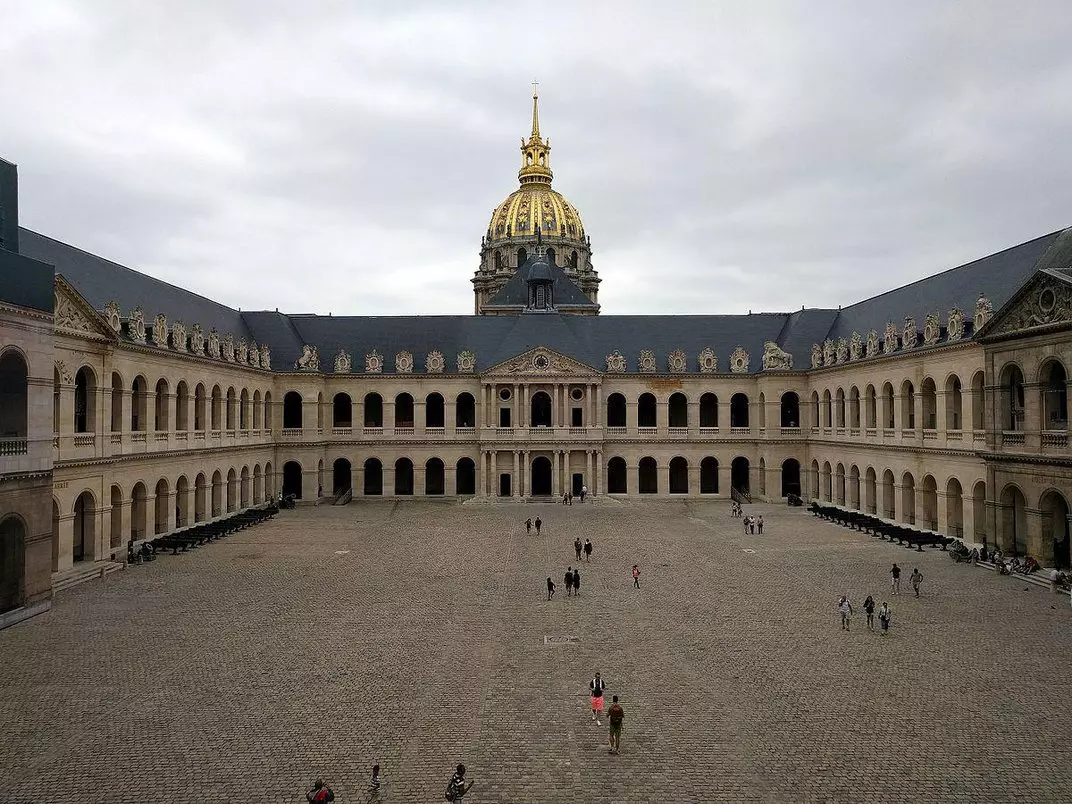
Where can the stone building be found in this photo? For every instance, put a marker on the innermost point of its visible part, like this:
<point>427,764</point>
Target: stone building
<point>943,403</point>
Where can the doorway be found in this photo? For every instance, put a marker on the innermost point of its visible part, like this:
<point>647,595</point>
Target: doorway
<point>504,485</point>
<point>541,477</point>
<point>578,483</point>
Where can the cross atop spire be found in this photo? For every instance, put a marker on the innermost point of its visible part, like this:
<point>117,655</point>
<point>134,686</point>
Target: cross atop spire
<point>535,108</point>
<point>535,167</point>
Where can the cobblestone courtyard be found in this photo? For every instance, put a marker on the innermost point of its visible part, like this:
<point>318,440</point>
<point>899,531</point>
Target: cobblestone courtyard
<point>414,634</point>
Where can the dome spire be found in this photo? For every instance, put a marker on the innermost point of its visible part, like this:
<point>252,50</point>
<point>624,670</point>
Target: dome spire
<point>535,152</point>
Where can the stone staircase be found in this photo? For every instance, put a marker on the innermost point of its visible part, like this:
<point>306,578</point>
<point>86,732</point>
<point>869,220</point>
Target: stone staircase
<point>82,573</point>
<point>343,497</point>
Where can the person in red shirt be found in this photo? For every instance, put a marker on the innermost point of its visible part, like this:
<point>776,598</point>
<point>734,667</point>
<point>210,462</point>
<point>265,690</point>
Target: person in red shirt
<point>320,793</point>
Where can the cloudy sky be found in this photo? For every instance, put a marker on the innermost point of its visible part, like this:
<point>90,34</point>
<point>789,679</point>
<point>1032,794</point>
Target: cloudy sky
<point>725,156</point>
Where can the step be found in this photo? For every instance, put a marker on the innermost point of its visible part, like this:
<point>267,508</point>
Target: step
<point>83,573</point>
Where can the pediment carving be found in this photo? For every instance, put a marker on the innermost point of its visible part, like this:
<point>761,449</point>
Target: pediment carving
<point>708,361</point>
<point>932,329</point>
<point>677,362</point>
<point>373,362</point>
<point>910,336</point>
<point>829,352</point>
<point>541,362</point>
<point>254,355</point>
<point>72,313</point>
<point>984,311</point>
<point>404,362</point>
<point>739,361</point>
<point>1049,302</point>
<point>227,348</point>
<point>646,362</point>
<point>197,340</point>
<point>842,350</point>
<point>136,325</point>
<point>616,362</point>
<point>466,361</point>
<point>242,352</point>
<point>434,363</point>
<point>342,362</point>
<point>266,357</point>
<point>775,358</point>
<point>178,336</point>
<point>214,344</point>
<point>111,315</point>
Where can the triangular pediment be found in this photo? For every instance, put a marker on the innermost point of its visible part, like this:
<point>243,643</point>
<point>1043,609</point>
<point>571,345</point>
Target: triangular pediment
<point>541,362</point>
<point>75,316</point>
<point>1043,303</point>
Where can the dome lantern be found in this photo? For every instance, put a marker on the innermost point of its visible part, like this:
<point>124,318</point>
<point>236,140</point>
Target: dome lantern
<point>536,152</point>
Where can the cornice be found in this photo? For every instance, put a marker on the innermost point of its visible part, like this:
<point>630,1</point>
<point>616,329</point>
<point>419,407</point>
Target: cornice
<point>899,354</point>
<point>25,312</point>
<point>1018,457</point>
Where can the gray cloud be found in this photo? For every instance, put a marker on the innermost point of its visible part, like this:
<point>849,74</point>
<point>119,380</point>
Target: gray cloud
<point>346,157</point>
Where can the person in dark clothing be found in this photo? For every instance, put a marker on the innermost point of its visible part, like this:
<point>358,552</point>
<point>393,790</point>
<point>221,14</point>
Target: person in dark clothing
<point>320,793</point>
<point>528,526</point>
<point>550,589</point>
<point>869,609</point>
<point>759,524</point>
<point>577,582</point>
<point>577,547</point>
<point>539,522</point>
<point>569,497</point>
<point>456,787</point>
<point>587,550</point>
<point>567,579</point>
<point>636,577</point>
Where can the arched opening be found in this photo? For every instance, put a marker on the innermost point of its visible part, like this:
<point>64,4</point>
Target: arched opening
<point>828,410</point>
<point>889,508</point>
<point>870,491</point>
<point>373,477</point>
<point>403,410</point>
<point>813,481</point>
<point>341,476</point>
<point>434,411</point>
<point>243,410</point>
<point>522,254</point>
<point>435,481</point>
<point>320,478</point>
<point>465,410</point>
<point>232,490</point>
<point>647,415</point>
<point>854,407</point>
<point>978,401</point>
<point>816,410</point>
<point>85,517</point>
<point>541,476</point>
<point>373,410</point>
<point>1012,398</point>
<point>139,404</point>
<point>615,410</point>
<point>908,405</point>
<point>404,477</point>
<point>1054,511</point>
<point>679,476</point>
<point>465,477</point>
<point>839,409</point>
<point>839,484</point>
<point>182,407</point>
<point>871,407</point>
<point>14,410</point>
<point>200,498</point>
<point>292,412</point>
<point>888,408</point>
<point>160,411</point>
<point>117,403</point>
<point>258,484</point>
<point>12,560</point>
<point>852,491</point>
<point>1053,386</point>
<point>979,510</point>
<point>738,410</point>
<point>928,499</point>
<point>182,502</point>
<point>790,477</point>
<point>85,400</point>
<point>540,410</point>
<point>232,409</point>
<point>709,475</point>
<point>342,410</point>
<point>269,482</point>
<point>740,472</point>
<point>678,410</point>
<point>217,494</point>
<point>139,512</point>
<point>828,482</point>
<point>115,538</point>
<point>617,476</point>
<point>216,418</point>
<point>258,410</point>
<point>292,479</point>
<point>1013,520</point>
<point>708,410</point>
<point>648,476</point>
<point>244,488</point>
<point>929,401</point>
<point>161,504</point>
<point>954,508</point>
<point>199,408</point>
<point>790,413</point>
<point>908,498</point>
<point>954,403</point>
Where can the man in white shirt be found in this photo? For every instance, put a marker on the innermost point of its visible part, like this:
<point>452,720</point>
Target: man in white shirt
<point>845,610</point>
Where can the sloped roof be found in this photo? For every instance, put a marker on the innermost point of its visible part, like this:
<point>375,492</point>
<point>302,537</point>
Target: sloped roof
<point>516,292</point>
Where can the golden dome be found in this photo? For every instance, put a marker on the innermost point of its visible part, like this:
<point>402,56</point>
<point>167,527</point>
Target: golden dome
<point>535,208</point>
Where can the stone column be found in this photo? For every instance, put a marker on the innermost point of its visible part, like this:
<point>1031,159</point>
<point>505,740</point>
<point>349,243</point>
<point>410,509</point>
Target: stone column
<point>631,416</point>
<point>632,479</point>
<point>694,414</point>
<point>555,489</point>
<point>662,417</point>
<point>494,473</point>
<point>388,476</point>
<point>420,416</point>
<point>663,474</point>
<point>694,479</point>
<point>523,479</point>
<point>1033,423</point>
<point>450,417</point>
<point>515,483</point>
<point>519,412</point>
<point>63,547</point>
<point>724,412</point>
<point>389,415</point>
<point>482,474</point>
<point>597,417</point>
<point>420,476</point>
<point>589,481</point>
<point>599,485</point>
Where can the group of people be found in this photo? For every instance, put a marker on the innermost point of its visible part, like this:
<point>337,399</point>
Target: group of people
<point>567,496</point>
<point>615,714</point>
<point>529,523</point>
<point>916,579</point>
<point>844,609</point>
<point>752,524</point>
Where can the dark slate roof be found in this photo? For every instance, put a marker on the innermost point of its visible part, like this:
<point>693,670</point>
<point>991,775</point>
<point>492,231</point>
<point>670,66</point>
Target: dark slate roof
<point>100,281</point>
<point>997,277</point>
<point>26,282</point>
<point>516,291</point>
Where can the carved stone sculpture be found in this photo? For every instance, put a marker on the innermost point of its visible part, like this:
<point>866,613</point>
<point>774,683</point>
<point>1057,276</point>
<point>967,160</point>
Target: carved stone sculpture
<point>178,336</point>
<point>1050,303</point>
<point>197,340</point>
<point>66,377</point>
<point>856,346</point>
<point>69,315</point>
<point>254,355</point>
<point>816,355</point>
<point>616,362</point>
<point>214,344</point>
<point>954,328</point>
<point>404,362</point>
<point>677,361</point>
<point>872,343</point>
<point>646,363</point>
<point>342,362</point>
<point>910,337</point>
<point>309,359</point>
<point>242,352</point>
<point>983,312</point>
<point>842,350</point>
<point>708,361</point>
<point>829,352</point>
<point>373,362</point>
<point>266,357</point>
<point>136,325</point>
<point>160,330</point>
<point>466,361</point>
<point>434,363</point>
<point>739,361</point>
<point>932,329</point>
<point>775,358</point>
<point>111,314</point>
<point>227,348</point>
<point>891,340</point>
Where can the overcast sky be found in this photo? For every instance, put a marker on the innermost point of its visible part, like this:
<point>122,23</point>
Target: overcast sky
<point>346,156</point>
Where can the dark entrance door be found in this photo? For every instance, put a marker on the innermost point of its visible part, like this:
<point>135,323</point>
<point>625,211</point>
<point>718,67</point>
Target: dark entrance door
<point>541,476</point>
<point>578,481</point>
<point>12,562</point>
<point>504,485</point>
<point>504,417</point>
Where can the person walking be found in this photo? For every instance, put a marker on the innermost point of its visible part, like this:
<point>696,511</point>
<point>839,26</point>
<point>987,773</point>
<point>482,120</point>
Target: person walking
<point>576,583</point>
<point>588,550</point>
<point>916,578</point>
<point>636,577</point>
<point>759,524</point>
<point>615,716</point>
<point>528,525</point>
<point>844,608</point>
<point>747,521</point>
<point>539,524</point>
<point>567,579</point>
<point>569,497</point>
<point>895,579</point>
<point>884,618</point>
<point>1054,575</point>
<point>550,588</point>
<point>596,686</point>
<point>584,492</point>
<point>869,610</point>
<point>320,793</point>
<point>456,787</point>
<point>577,547</point>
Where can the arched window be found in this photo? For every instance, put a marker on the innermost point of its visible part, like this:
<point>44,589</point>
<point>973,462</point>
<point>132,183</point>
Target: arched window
<point>828,410</point>
<point>342,410</point>
<point>616,476</point>
<point>739,410</point>
<point>85,522</point>
<point>646,411</point>
<point>199,408</point>
<point>292,414</point>
<point>540,410</point>
<point>243,410</point>
<point>404,412</point>
<point>978,401</point>
<point>12,553</point>
<point>269,416</point>
<point>1012,398</point>
<point>14,408</point>
<point>888,420</point>
<point>616,410</point>
<point>908,499</point>
<point>790,413</point>
<point>162,414</point>
<point>929,394</point>
<point>678,411</point>
<point>854,407</point>
<point>373,410</point>
<point>117,403</point>
<point>162,504</point>
<point>1053,508</point>
<point>465,477</point>
<point>292,478</point>
<point>85,400</point>
<point>928,514</point>
<point>840,409</point>
<point>465,411</point>
<point>373,478</point>
<point>182,502</point>
<point>709,475</point>
<point>648,476</point>
<point>1012,521</point>
<point>740,475</point>
<point>182,406</point>
<point>217,409</point>
<point>258,411</point>
<point>679,476</point>
<point>404,476</point>
<point>871,406</point>
<point>139,404</point>
<point>232,490</point>
<point>232,409</point>
<point>200,498</point>
<point>341,476</point>
<point>954,404</point>
<point>791,477</point>
<point>434,414</point>
<point>708,410</point>
<point>1053,386</point>
<point>434,477</point>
